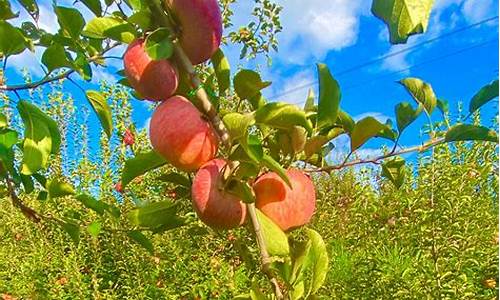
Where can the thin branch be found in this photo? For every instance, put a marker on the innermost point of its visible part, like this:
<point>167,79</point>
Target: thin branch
<point>49,79</point>
<point>210,111</point>
<point>376,160</point>
<point>27,211</point>
<point>33,85</point>
<point>265,260</point>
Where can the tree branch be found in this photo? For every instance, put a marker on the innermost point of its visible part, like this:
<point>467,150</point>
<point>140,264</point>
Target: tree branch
<point>27,211</point>
<point>49,79</point>
<point>209,110</point>
<point>265,260</point>
<point>376,160</point>
<point>33,85</point>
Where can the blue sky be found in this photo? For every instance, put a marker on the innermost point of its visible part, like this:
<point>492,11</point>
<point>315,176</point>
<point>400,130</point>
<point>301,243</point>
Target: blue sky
<point>343,34</point>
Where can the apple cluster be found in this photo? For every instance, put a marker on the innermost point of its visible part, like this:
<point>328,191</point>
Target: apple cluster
<point>182,135</point>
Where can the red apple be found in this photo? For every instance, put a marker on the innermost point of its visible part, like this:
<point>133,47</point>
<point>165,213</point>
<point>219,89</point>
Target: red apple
<point>154,80</point>
<point>200,26</point>
<point>287,207</point>
<point>119,187</point>
<point>215,207</point>
<point>128,138</point>
<point>179,133</point>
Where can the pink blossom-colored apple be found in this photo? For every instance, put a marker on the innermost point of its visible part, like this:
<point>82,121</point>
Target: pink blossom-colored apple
<point>155,80</point>
<point>199,23</point>
<point>180,133</point>
<point>288,207</point>
<point>214,206</point>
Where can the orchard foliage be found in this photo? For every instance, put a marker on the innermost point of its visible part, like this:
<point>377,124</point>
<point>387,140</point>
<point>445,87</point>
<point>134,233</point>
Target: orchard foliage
<point>245,150</point>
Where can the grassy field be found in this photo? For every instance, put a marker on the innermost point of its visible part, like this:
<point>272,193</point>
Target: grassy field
<point>435,238</point>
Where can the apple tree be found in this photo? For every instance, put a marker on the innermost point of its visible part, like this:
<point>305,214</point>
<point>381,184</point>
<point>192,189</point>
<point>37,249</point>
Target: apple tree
<point>241,159</point>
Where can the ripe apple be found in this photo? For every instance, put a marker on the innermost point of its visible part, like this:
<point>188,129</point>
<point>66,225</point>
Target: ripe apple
<point>215,207</point>
<point>179,132</point>
<point>128,138</point>
<point>200,27</point>
<point>119,187</point>
<point>154,80</point>
<point>287,207</point>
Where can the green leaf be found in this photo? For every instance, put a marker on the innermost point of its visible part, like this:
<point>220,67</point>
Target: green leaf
<point>318,256</point>
<point>5,11</point>
<point>238,124</point>
<point>275,239</point>
<point>309,106</point>
<point>82,66</point>
<point>31,7</point>
<point>154,215</point>
<point>58,188</point>
<point>253,147</point>
<point>222,70</point>
<point>329,98</point>
<point>56,57</point>
<point>274,166</point>
<point>403,17</point>
<point>282,115</point>
<point>27,183</point>
<point>12,40</point>
<point>70,20</point>
<point>247,83</point>
<point>72,229</point>
<point>142,240</point>
<point>421,92</point>
<point>394,171</point>
<point>365,129</point>
<point>91,203</point>
<point>346,121</point>
<point>3,121</point>
<point>241,189</point>
<point>159,44</point>
<point>405,115</point>
<point>41,137</point>
<point>142,19</point>
<point>94,228</point>
<point>140,164</point>
<point>8,138</point>
<point>443,106</point>
<point>110,27</point>
<point>102,109</point>
<point>485,94</point>
<point>175,178</point>
<point>465,132</point>
<point>94,6</point>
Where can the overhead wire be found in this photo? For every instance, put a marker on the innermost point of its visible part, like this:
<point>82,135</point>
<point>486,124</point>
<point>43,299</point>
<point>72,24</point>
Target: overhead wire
<point>409,49</point>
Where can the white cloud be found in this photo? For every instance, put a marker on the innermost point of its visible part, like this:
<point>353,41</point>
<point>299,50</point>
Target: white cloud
<point>312,28</point>
<point>470,11</point>
<point>379,116</point>
<point>475,11</point>
<point>284,85</point>
<point>99,74</point>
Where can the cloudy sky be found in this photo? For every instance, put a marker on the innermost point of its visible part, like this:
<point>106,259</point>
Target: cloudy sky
<point>344,34</point>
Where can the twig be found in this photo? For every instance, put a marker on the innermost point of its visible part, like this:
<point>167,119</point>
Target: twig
<point>265,260</point>
<point>376,160</point>
<point>27,211</point>
<point>48,79</point>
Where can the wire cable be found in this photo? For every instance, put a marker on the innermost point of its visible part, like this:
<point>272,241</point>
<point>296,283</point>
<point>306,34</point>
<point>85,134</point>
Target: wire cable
<point>434,59</point>
<point>384,57</point>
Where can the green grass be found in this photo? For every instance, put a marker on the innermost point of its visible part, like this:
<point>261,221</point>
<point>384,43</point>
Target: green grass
<point>432,239</point>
